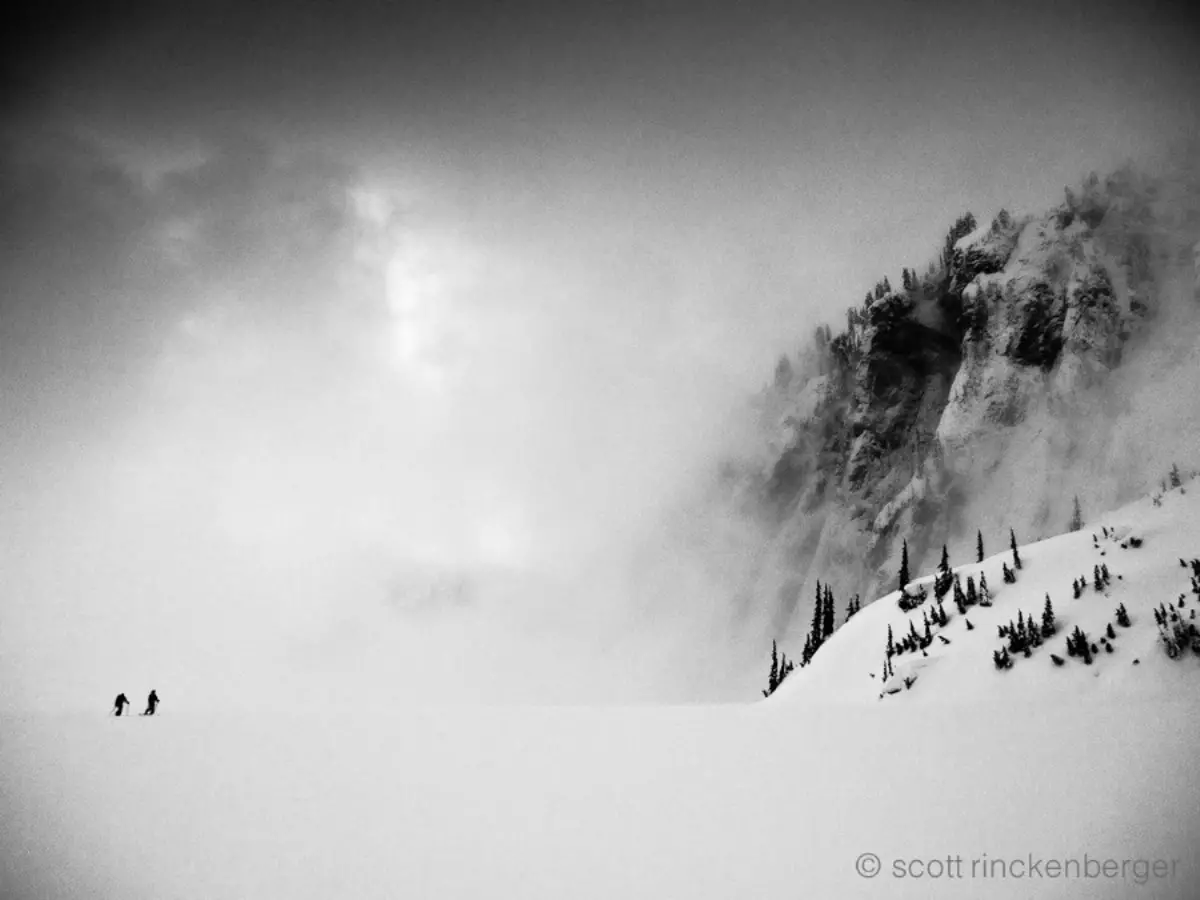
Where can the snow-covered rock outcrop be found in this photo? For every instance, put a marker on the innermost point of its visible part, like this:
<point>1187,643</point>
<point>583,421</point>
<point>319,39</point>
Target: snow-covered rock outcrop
<point>1019,371</point>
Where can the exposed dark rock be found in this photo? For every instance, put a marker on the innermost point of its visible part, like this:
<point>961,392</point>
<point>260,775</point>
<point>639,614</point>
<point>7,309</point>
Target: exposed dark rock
<point>904,377</point>
<point>1038,337</point>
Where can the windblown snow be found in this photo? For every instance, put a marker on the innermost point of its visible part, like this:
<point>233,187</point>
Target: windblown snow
<point>1038,781</point>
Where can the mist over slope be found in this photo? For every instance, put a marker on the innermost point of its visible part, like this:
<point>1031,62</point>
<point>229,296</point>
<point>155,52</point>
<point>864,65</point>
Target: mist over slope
<point>1036,359</point>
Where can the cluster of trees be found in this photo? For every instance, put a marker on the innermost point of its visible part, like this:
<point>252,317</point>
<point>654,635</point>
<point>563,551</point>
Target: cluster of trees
<point>1195,575</point>
<point>1176,632</point>
<point>1025,635</point>
<point>1079,645</point>
<point>823,626</point>
<point>781,667</point>
<point>852,607</point>
<point>963,226</point>
<point>911,598</point>
<point>822,623</point>
<point>914,640</point>
<point>1010,575</point>
<point>964,599</point>
<point>946,581</point>
<point>883,287</point>
<point>1101,578</point>
<point>1175,479</point>
<point>943,581</point>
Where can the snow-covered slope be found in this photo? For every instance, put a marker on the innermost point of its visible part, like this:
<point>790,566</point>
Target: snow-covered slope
<point>1036,782</point>
<point>958,665</point>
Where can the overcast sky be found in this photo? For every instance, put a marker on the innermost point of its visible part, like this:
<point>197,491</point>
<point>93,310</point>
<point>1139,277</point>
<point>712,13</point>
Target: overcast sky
<point>304,300</point>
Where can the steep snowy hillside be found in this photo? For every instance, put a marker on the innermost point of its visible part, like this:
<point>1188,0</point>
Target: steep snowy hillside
<point>1142,546</point>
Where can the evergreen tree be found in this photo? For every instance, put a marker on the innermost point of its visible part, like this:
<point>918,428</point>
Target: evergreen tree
<point>906,278</point>
<point>1016,634</point>
<point>816,633</point>
<point>985,597</point>
<point>944,580</point>
<point>773,680</point>
<point>1048,628</point>
<point>1076,516</point>
<point>1012,538</point>
<point>904,566</point>
<point>972,594</point>
<point>1097,580</point>
<point>1078,645</point>
<point>979,546</point>
<point>891,646</point>
<point>1176,480</point>
<point>827,624</point>
<point>1123,616</point>
<point>1076,588</point>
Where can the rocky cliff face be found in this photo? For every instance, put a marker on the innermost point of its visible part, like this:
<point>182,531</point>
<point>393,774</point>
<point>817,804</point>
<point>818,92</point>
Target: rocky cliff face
<point>1018,372</point>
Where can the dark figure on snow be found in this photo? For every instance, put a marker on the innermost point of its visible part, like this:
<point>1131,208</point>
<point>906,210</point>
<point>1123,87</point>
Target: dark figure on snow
<point>120,703</point>
<point>151,703</point>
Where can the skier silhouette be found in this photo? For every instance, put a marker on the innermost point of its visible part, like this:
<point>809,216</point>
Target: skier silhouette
<point>120,703</point>
<point>151,703</point>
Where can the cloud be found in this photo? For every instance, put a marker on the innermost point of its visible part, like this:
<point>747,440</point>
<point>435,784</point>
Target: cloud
<point>341,385</point>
